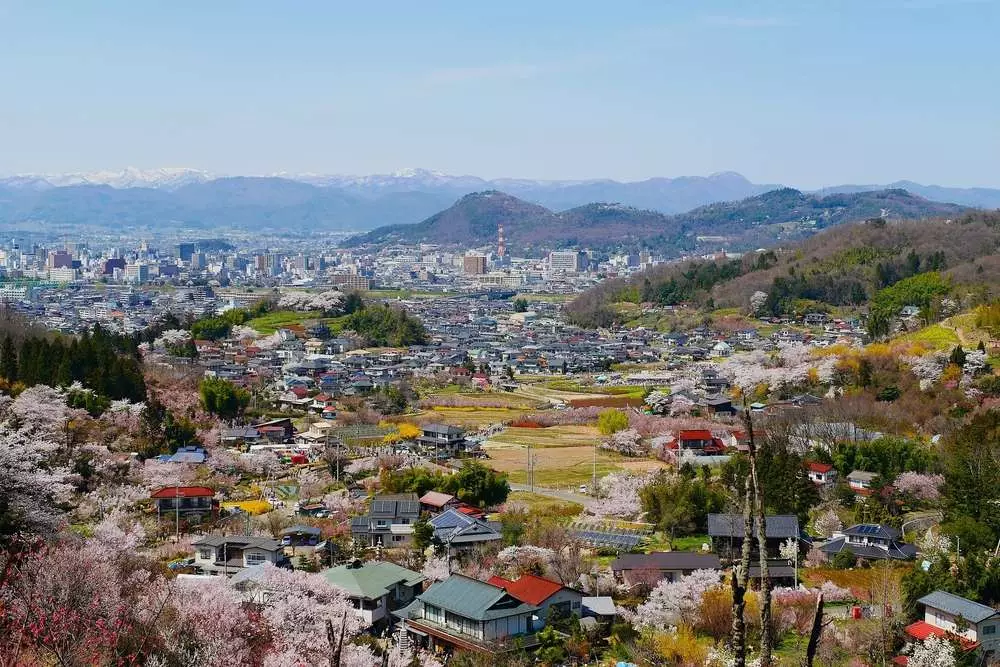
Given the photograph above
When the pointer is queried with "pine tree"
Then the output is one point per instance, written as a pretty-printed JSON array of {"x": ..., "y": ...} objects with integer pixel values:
[{"x": 8, "y": 359}]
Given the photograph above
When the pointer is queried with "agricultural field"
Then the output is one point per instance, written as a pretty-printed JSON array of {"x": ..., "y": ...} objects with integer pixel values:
[
  {"x": 543, "y": 505},
  {"x": 472, "y": 417},
  {"x": 552, "y": 436},
  {"x": 560, "y": 467}
]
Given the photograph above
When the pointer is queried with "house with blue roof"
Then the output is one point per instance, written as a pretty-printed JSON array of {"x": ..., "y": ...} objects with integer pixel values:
[{"x": 459, "y": 531}]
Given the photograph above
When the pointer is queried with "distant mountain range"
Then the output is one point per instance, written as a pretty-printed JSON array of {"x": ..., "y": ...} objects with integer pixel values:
[
  {"x": 297, "y": 202},
  {"x": 761, "y": 220}
]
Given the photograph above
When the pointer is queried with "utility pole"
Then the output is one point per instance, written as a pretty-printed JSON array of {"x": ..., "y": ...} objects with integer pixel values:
[
  {"x": 177, "y": 513},
  {"x": 593, "y": 482}
]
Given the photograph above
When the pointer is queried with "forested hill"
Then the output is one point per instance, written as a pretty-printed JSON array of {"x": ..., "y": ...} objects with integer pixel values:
[
  {"x": 851, "y": 265},
  {"x": 749, "y": 223}
]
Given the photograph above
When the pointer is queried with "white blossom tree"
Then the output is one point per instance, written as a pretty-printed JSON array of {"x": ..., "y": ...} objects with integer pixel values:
[
  {"x": 932, "y": 652},
  {"x": 757, "y": 302},
  {"x": 919, "y": 486},
  {"x": 673, "y": 601}
]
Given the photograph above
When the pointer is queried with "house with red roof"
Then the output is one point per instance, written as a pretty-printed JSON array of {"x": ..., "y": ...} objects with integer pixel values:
[
  {"x": 699, "y": 441},
  {"x": 972, "y": 625},
  {"x": 178, "y": 501},
  {"x": 542, "y": 593},
  {"x": 822, "y": 474}
]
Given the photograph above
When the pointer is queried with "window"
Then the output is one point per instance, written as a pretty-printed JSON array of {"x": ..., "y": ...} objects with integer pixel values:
[
  {"x": 989, "y": 629},
  {"x": 397, "y": 538},
  {"x": 205, "y": 554},
  {"x": 255, "y": 558}
]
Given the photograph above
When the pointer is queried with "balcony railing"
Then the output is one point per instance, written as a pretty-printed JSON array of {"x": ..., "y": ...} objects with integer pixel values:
[{"x": 473, "y": 642}]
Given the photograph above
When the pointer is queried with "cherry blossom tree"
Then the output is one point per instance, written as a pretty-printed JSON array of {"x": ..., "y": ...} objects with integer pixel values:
[
  {"x": 919, "y": 486},
  {"x": 627, "y": 443},
  {"x": 827, "y": 522},
  {"x": 672, "y": 602},
  {"x": 514, "y": 561},
  {"x": 330, "y": 300},
  {"x": 659, "y": 402},
  {"x": 33, "y": 472},
  {"x": 436, "y": 568},
  {"x": 932, "y": 652},
  {"x": 298, "y": 607},
  {"x": 757, "y": 302},
  {"x": 618, "y": 494}
]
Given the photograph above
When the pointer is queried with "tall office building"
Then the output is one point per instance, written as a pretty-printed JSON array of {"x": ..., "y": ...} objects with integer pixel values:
[
  {"x": 184, "y": 251},
  {"x": 474, "y": 264},
  {"x": 569, "y": 261}
]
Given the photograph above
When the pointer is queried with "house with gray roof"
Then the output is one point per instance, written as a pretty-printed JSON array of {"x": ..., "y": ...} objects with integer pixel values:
[
  {"x": 228, "y": 554},
  {"x": 951, "y": 616},
  {"x": 375, "y": 588},
  {"x": 389, "y": 521},
  {"x": 871, "y": 541},
  {"x": 459, "y": 531},
  {"x": 465, "y": 614},
  {"x": 727, "y": 531},
  {"x": 650, "y": 568}
]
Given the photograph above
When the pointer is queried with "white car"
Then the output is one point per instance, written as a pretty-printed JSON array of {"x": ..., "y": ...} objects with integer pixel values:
[{"x": 583, "y": 488}]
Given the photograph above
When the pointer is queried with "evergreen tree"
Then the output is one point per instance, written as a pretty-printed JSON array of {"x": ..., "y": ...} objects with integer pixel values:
[{"x": 8, "y": 359}]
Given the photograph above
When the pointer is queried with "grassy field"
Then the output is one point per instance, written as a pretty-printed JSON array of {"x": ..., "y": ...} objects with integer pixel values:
[
  {"x": 544, "y": 505},
  {"x": 473, "y": 417},
  {"x": 559, "y": 467},
  {"x": 271, "y": 322},
  {"x": 553, "y": 436},
  {"x": 936, "y": 335}
]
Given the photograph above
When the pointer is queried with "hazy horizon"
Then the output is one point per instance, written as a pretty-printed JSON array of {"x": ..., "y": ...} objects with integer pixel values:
[{"x": 809, "y": 94}]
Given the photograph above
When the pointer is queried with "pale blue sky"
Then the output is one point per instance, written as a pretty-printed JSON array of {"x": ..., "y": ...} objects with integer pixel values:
[{"x": 803, "y": 92}]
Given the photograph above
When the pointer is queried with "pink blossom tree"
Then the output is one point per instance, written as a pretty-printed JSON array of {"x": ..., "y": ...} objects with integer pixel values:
[{"x": 919, "y": 486}]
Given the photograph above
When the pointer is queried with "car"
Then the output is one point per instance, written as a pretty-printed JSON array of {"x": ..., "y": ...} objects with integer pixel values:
[{"x": 583, "y": 488}]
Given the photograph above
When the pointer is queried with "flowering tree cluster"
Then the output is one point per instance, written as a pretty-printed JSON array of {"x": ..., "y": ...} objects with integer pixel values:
[
  {"x": 919, "y": 486},
  {"x": 514, "y": 561},
  {"x": 672, "y": 602},
  {"x": 618, "y": 494},
  {"x": 658, "y": 402},
  {"x": 328, "y": 301},
  {"x": 87, "y": 602},
  {"x": 626, "y": 443},
  {"x": 932, "y": 652}
]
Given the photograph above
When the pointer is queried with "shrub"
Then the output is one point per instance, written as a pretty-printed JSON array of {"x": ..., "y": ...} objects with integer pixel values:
[
  {"x": 611, "y": 421},
  {"x": 844, "y": 560}
]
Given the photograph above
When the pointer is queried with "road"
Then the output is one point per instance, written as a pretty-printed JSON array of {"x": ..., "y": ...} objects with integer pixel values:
[{"x": 570, "y": 496}]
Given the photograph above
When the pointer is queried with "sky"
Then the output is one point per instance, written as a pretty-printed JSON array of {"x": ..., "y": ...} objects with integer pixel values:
[{"x": 800, "y": 92}]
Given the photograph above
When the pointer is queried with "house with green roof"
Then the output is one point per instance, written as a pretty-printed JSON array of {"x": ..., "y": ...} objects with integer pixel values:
[
  {"x": 376, "y": 587},
  {"x": 462, "y": 613}
]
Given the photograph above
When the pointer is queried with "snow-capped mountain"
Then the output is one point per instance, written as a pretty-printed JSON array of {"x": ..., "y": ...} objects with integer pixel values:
[
  {"x": 167, "y": 178},
  {"x": 403, "y": 180}
]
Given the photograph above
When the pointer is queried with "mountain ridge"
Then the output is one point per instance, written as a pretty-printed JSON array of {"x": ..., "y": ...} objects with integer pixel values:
[{"x": 747, "y": 223}]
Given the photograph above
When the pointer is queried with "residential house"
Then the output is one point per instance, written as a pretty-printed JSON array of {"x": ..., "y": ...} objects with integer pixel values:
[
  {"x": 862, "y": 482},
  {"x": 822, "y": 474},
  {"x": 601, "y": 608},
  {"x": 389, "y": 521},
  {"x": 697, "y": 441},
  {"x": 727, "y": 531},
  {"x": 951, "y": 616},
  {"x": 543, "y": 593},
  {"x": 443, "y": 440},
  {"x": 375, "y": 588},
  {"x": 435, "y": 501},
  {"x": 870, "y": 541},
  {"x": 459, "y": 531},
  {"x": 300, "y": 536},
  {"x": 228, "y": 554},
  {"x": 648, "y": 569},
  {"x": 462, "y": 613},
  {"x": 184, "y": 501}
]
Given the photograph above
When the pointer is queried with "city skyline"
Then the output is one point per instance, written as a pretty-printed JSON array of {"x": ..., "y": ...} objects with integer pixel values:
[{"x": 810, "y": 94}]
